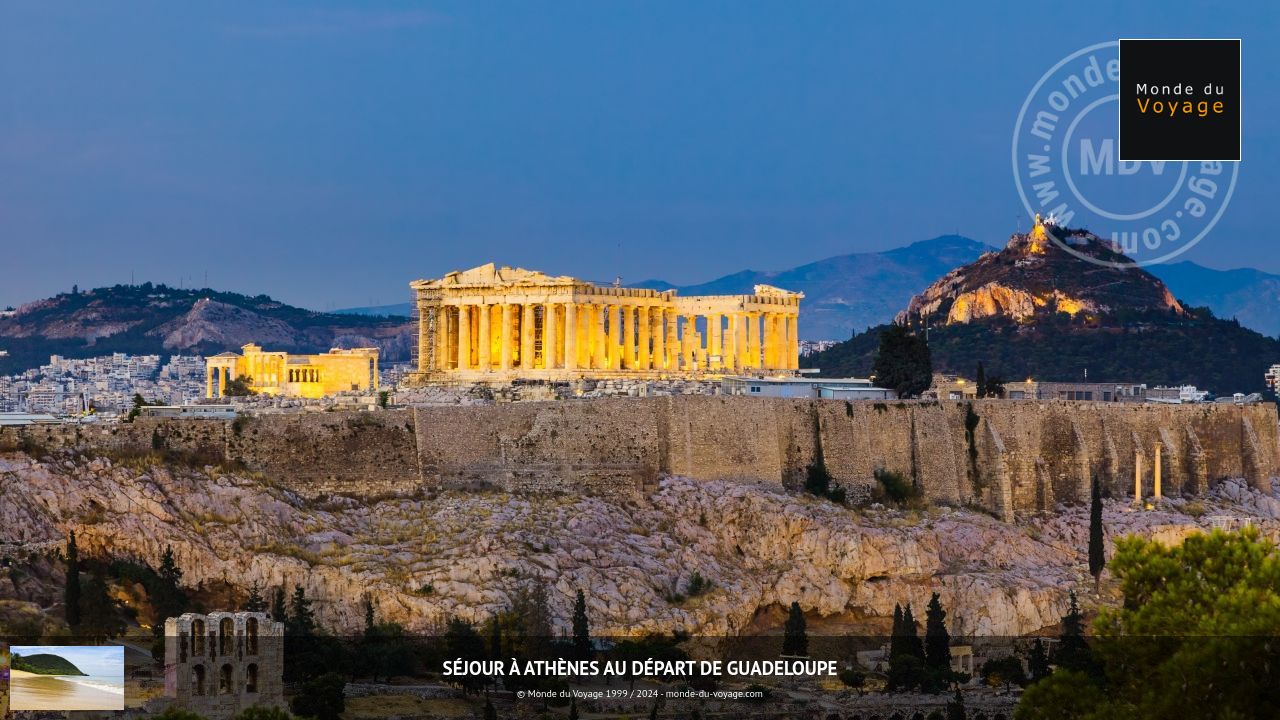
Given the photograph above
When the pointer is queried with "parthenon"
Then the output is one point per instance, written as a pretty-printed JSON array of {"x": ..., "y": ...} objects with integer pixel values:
[{"x": 497, "y": 324}]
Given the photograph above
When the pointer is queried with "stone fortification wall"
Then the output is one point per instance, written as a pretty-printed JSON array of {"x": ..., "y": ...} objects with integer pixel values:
[{"x": 1008, "y": 456}]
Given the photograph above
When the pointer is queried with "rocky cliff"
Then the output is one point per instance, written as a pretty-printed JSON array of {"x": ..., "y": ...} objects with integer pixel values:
[
  {"x": 455, "y": 553},
  {"x": 1034, "y": 275}
]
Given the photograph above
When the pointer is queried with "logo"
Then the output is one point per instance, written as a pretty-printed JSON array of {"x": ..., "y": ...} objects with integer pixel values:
[{"x": 1067, "y": 167}]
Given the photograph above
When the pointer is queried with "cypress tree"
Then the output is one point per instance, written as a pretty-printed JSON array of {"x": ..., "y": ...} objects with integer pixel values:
[
  {"x": 795, "y": 641},
  {"x": 911, "y": 635},
  {"x": 302, "y": 620},
  {"x": 937, "y": 645},
  {"x": 495, "y": 638},
  {"x": 1097, "y": 554},
  {"x": 490, "y": 713},
  {"x": 581, "y": 628},
  {"x": 573, "y": 709},
  {"x": 955, "y": 708},
  {"x": 895, "y": 639},
  {"x": 368, "y": 616},
  {"x": 1038, "y": 662},
  {"x": 71, "y": 596},
  {"x": 255, "y": 602},
  {"x": 981, "y": 381},
  {"x": 278, "y": 612}
]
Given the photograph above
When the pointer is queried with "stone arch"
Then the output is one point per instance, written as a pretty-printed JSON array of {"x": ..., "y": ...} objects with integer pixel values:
[
  {"x": 251, "y": 636},
  {"x": 226, "y": 634},
  {"x": 198, "y": 680},
  {"x": 226, "y": 680},
  {"x": 251, "y": 678},
  {"x": 197, "y": 637}
]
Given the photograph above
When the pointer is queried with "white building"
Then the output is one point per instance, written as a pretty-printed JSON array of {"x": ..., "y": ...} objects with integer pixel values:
[
  {"x": 825, "y": 388},
  {"x": 1273, "y": 378}
]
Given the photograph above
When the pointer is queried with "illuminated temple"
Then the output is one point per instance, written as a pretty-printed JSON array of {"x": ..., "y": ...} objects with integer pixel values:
[
  {"x": 280, "y": 373},
  {"x": 501, "y": 324}
]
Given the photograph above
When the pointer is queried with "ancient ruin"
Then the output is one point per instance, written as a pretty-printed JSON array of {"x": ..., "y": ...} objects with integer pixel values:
[
  {"x": 219, "y": 664},
  {"x": 492, "y": 324},
  {"x": 281, "y": 373}
]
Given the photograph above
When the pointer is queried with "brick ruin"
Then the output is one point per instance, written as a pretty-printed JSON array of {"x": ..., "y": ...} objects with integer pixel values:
[{"x": 219, "y": 664}]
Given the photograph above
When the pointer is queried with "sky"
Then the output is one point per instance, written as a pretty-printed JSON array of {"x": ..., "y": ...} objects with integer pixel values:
[
  {"x": 328, "y": 153},
  {"x": 104, "y": 660}
]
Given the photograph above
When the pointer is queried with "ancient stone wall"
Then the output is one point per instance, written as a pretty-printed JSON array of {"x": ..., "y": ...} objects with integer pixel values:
[{"x": 1008, "y": 456}]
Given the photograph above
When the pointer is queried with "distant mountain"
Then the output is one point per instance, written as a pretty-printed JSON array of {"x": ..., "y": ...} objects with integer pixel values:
[
  {"x": 848, "y": 292},
  {"x": 45, "y": 664},
  {"x": 155, "y": 319},
  {"x": 1034, "y": 310},
  {"x": 396, "y": 310},
  {"x": 1248, "y": 295}
]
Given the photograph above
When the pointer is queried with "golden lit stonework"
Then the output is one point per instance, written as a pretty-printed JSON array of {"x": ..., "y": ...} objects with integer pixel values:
[
  {"x": 492, "y": 324},
  {"x": 282, "y": 373}
]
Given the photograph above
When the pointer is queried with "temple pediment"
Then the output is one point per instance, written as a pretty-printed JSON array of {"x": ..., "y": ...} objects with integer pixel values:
[{"x": 490, "y": 275}]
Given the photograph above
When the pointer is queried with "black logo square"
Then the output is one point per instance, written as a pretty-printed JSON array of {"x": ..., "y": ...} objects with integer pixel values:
[{"x": 1179, "y": 99}]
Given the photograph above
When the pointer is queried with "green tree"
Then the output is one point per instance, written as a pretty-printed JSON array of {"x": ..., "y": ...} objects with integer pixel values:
[
  {"x": 1097, "y": 551},
  {"x": 71, "y": 594},
  {"x": 462, "y": 641},
  {"x": 1037, "y": 662},
  {"x": 99, "y": 619},
  {"x": 255, "y": 602},
  {"x": 173, "y": 712},
  {"x": 980, "y": 381},
  {"x": 581, "y": 628},
  {"x": 937, "y": 646},
  {"x": 906, "y": 654},
  {"x": 795, "y": 639},
  {"x": 321, "y": 698},
  {"x": 1073, "y": 652},
  {"x": 301, "y": 621},
  {"x": 1193, "y": 638},
  {"x": 903, "y": 363},
  {"x": 278, "y": 611},
  {"x": 1004, "y": 671},
  {"x": 495, "y": 638},
  {"x": 240, "y": 386}
]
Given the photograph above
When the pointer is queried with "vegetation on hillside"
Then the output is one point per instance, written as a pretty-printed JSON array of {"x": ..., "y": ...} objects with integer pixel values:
[
  {"x": 1154, "y": 348},
  {"x": 45, "y": 664}
]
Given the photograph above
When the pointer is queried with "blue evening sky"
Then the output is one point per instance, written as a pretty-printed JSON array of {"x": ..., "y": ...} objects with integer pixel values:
[
  {"x": 328, "y": 153},
  {"x": 105, "y": 660}
]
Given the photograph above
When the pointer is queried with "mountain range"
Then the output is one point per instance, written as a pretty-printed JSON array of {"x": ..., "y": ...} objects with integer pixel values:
[{"x": 847, "y": 293}]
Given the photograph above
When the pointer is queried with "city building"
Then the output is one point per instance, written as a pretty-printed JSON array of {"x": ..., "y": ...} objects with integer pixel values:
[
  {"x": 492, "y": 324},
  {"x": 1177, "y": 395},
  {"x": 952, "y": 387},
  {"x": 282, "y": 373},
  {"x": 801, "y": 387},
  {"x": 1273, "y": 378}
]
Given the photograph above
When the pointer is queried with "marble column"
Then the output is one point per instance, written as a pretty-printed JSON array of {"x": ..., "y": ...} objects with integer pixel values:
[
  {"x": 444, "y": 338},
  {"x": 642, "y": 342},
  {"x": 715, "y": 344},
  {"x": 570, "y": 336},
  {"x": 729, "y": 347},
  {"x": 753, "y": 340},
  {"x": 614, "y": 359},
  {"x": 528, "y": 323},
  {"x": 673, "y": 340},
  {"x": 550, "y": 340},
  {"x": 599, "y": 341},
  {"x": 628, "y": 337},
  {"x": 485, "y": 344},
  {"x": 658, "y": 330},
  {"x": 424, "y": 321},
  {"x": 792, "y": 341},
  {"x": 505, "y": 339},
  {"x": 464, "y": 337},
  {"x": 769, "y": 340}
]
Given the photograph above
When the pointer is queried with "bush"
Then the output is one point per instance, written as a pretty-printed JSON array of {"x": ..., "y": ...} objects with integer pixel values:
[
  {"x": 853, "y": 678},
  {"x": 895, "y": 486}
]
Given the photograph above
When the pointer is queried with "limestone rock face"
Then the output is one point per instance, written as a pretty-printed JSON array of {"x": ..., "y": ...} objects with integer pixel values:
[{"x": 425, "y": 558}]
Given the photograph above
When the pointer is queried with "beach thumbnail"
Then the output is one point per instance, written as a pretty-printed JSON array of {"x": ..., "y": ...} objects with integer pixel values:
[{"x": 55, "y": 677}]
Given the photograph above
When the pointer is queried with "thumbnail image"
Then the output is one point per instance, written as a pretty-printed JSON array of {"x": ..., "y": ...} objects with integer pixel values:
[
  {"x": 4, "y": 679},
  {"x": 53, "y": 677}
]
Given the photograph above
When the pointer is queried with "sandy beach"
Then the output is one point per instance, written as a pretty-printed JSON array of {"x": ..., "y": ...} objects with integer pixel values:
[{"x": 29, "y": 691}]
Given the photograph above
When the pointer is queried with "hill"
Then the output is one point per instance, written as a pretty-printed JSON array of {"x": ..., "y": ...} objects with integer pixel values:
[
  {"x": 45, "y": 664},
  {"x": 156, "y": 319},
  {"x": 1035, "y": 310}
]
